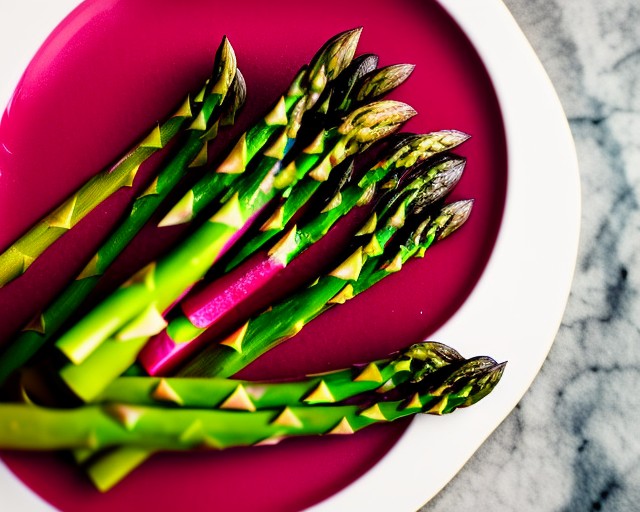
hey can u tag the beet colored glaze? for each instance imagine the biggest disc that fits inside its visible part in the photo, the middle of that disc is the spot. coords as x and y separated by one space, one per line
221 298
115 67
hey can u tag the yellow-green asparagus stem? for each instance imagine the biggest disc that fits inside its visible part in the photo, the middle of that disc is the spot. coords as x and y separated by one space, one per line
191 154
411 364
140 428
126 319
16 259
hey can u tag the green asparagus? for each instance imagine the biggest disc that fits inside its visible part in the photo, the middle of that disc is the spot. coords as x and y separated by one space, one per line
184 329
107 340
368 88
381 375
192 153
279 128
287 318
431 379
15 260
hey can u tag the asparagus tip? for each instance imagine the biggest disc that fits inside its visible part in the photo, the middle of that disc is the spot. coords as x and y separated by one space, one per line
226 63
484 379
379 82
343 88
448 174
236 102
335 55
456 214
429 350
454 137
466 383
366 62
375 120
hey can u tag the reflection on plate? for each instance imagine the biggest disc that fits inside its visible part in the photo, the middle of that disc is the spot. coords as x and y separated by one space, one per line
112 68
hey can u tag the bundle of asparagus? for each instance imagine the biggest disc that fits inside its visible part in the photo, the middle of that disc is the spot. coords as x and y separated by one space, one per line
285 163
300 96
421 187
110 336
194 414
202 309
191 114
141 305
225 85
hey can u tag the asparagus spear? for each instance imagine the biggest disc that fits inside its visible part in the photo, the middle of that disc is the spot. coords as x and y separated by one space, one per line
411 364
329 61
107 340
428 377
287 318
210 304
281 124
366 88
108 470
460 383
382 375
422 189
16 259
192 154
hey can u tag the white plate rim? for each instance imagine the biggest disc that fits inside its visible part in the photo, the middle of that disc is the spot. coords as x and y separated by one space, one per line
510 315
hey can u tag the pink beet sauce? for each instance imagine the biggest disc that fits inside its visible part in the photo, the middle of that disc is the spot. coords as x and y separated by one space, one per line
224 298
210 303
111 70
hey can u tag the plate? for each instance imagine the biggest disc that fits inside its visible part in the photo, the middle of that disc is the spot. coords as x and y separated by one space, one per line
111 68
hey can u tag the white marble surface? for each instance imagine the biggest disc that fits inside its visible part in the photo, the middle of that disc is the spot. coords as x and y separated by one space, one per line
573 442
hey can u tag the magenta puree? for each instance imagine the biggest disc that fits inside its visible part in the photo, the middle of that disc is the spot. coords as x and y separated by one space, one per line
112 69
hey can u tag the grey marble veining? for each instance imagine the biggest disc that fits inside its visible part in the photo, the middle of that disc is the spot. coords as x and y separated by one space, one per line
573 443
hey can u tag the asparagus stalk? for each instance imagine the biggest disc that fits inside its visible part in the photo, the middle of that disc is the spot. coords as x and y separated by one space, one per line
230 290
422 189
411 364
302 94
281 124
366 88
204 308
30 427
191 154
106 341
17 258
475 379
428 377
287 318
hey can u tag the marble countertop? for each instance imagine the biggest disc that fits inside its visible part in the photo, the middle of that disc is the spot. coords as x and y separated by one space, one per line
573 442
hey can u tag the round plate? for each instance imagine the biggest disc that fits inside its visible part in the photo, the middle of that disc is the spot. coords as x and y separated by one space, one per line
112 68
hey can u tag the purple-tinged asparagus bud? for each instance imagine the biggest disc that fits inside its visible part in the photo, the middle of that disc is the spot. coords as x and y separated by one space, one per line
379 82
